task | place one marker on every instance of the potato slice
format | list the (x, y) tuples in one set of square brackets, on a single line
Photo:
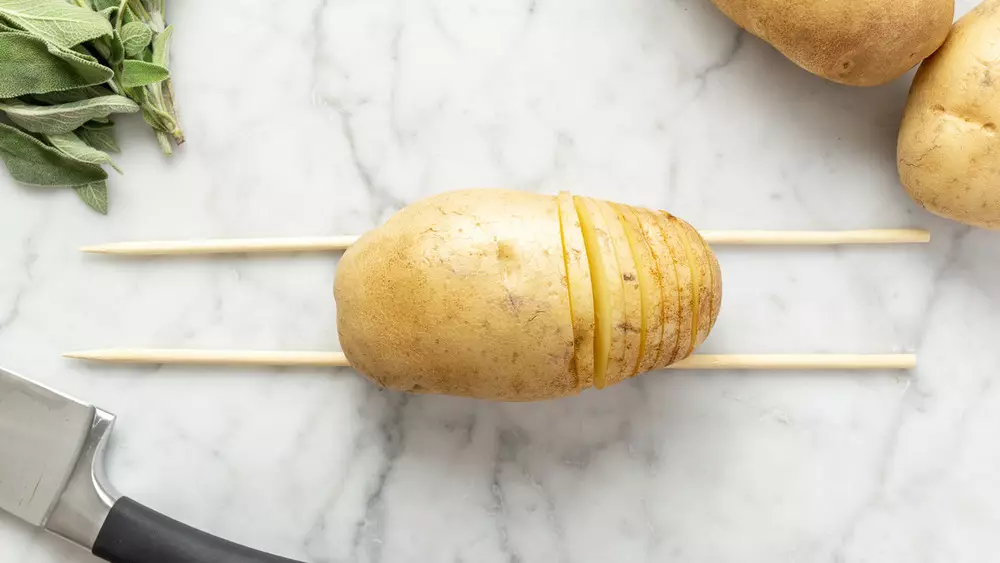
[(704, 284), (609, 298), (580, 287), (629, 330), (716, 287), (666, 278), (648, 268), (684, 282)]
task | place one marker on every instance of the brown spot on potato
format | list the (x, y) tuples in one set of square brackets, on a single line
[(505, 251), (989, 128), (629, 277)]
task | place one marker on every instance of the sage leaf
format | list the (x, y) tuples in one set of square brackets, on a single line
[(161, 47), (64, 118), (101, 139), (95, 124), (140, 73), (55, 21), (102, 5), (128, 15), (28, 65), (74, 95), (76, 148), (95, 195), (108, 13), (135, 37), (34, 163), (117, 54)]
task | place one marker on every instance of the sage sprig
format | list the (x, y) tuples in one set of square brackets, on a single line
[(67, 67)]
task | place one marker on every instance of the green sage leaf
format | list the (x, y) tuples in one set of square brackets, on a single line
[(102, 5), (117, 54), (109, 13), (55, 21), (74, 95), (135, 36), (28, 65), (102, 139), (64, 118), (128, 16), (161, 47), (140, 73), (34, 163), (76, 148), (95, 124), (95, 195)]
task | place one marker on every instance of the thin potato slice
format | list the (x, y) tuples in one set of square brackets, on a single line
[(701, 265), (580, 287), (609, 298), (684, 282), (629, 331), (667, 280), (648, 268)]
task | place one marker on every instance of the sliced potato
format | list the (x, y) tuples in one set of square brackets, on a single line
[(512, 296), (666, 277), (581, 292), (685, 284), (630, 329), (701, 260), (648, 269), (609, 297)]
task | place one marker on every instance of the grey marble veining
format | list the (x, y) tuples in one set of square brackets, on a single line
[(315, 118)]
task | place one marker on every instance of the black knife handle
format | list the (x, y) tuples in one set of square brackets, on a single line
[(133, 533)]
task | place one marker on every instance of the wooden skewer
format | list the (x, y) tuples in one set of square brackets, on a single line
[(224, 246), (337, 243), (337, 359), (214, 357)]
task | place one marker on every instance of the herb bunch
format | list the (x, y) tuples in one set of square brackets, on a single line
[(66, 67)]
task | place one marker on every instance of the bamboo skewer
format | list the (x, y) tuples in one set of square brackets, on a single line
[(337, 359), (338, 243)]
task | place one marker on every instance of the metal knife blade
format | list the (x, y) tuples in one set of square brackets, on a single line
[(52, 475), (42, 434)]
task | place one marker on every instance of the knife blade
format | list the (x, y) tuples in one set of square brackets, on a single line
[(52, 476)]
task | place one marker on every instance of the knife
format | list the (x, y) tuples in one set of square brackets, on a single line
[(52, 476)]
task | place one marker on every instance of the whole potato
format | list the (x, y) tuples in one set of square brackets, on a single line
[(948, 152), (507, 295), (855, 42)]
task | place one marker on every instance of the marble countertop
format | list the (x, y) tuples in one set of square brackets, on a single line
[(316, 118)]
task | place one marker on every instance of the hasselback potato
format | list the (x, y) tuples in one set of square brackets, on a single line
[(514, 296)]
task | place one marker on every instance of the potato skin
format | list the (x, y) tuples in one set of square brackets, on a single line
[(467, 293), (854, 42), (948, 153), (461, 294)]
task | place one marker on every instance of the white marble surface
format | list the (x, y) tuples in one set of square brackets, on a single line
[(323, 117)]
